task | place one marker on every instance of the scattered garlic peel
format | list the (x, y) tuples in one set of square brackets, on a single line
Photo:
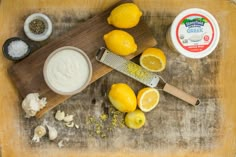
[(60, 144), (68, 118), (70, 124)]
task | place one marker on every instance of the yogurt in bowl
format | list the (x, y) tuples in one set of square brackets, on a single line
[(67, 70), (194, 33)]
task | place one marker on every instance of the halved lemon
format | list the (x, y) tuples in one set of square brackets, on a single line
[(153, 59), (148, 98)]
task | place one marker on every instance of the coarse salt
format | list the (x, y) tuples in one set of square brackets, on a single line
[(17, 48)]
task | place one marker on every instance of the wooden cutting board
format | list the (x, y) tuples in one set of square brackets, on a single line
[(88, 36)]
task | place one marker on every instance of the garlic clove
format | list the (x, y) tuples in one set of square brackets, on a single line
[(60, 115), (39, 132), (31, 113), (68, 118), (52, 133)]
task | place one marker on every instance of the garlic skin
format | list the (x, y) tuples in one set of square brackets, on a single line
[(60, 144), (32, 104), (68, 118), (52, 133), (39, 132), (70, 124), (60, 115), (76, 126)]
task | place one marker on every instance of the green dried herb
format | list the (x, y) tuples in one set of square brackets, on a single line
[(37, 26)]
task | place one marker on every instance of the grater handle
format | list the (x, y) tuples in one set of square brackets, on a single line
[(181, 94)]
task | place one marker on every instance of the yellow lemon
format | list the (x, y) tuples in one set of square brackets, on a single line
[(135, 119), (122, 97), (126, 15), (120, 42), (153, 59), (148, 99)]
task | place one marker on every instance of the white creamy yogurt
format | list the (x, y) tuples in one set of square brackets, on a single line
[(194, 33), (67, 71)]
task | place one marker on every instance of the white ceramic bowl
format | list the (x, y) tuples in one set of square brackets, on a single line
[(48, 27), (67, 70)]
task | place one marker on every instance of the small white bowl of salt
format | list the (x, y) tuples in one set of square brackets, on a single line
[(15, 49)]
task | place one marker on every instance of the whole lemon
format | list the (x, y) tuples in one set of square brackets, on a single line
[(120, 42), (126, 15), (122, 97), (135, 119)]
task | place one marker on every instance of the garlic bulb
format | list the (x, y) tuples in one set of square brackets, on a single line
[(32, 104), (60, 115), (39, 132), (52, 133), (68, 118)]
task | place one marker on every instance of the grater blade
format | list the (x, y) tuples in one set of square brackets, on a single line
[(127, 67)]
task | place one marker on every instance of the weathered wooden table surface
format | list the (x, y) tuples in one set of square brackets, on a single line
[(172, 129)]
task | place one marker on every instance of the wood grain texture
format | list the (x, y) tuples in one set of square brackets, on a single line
[(87, 36), (173, 129)]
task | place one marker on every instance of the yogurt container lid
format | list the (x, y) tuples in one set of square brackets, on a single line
[(195, 33)]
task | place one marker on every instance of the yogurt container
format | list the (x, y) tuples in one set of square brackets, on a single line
[(194, 33)]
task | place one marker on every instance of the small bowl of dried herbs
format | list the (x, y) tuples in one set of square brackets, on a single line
[(38, 27)]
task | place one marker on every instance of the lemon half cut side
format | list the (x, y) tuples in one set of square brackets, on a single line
[(148, 98), (153, 59)]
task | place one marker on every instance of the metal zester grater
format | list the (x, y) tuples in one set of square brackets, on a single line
[(127, 67), (142, 75)]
